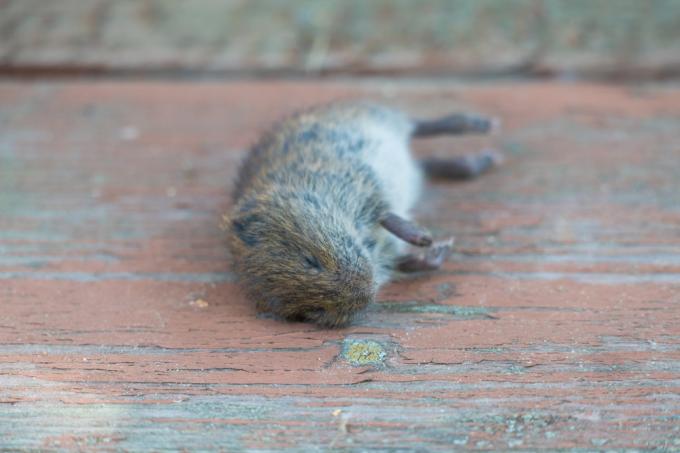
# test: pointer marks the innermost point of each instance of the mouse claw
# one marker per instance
(433, 258)
(495, 157)
(438, 252)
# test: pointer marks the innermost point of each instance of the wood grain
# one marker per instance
(556, 324)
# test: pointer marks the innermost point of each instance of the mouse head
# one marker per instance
(301, 259)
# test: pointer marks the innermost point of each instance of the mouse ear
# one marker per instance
(245, 228)
(245, 223)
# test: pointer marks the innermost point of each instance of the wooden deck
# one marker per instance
(555, 325)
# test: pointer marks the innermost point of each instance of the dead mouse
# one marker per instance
(321, 207)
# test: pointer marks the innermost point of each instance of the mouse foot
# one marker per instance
(432, 259)
(468, 166)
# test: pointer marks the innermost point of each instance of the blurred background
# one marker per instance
(604, 39)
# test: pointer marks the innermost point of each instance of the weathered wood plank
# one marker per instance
(622, 38)
(555, 325)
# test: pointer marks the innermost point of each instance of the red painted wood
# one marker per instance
(556, 324)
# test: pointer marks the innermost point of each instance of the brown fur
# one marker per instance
(304, 230)
(315, 200)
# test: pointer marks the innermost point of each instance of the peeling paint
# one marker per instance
(554, 326)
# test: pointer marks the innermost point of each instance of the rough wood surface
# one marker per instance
(556, 324)
(565, 38)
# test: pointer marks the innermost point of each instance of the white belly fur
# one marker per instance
(398, 173)
(390, 158)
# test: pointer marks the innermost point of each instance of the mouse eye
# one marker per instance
(312, 263)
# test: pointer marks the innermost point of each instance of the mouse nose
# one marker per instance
(361, 291)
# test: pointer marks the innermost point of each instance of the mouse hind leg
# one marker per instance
(463, 167)
(430, 259)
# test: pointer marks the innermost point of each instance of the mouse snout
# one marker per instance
(357, 281)
(359, 290)
(341, 309)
